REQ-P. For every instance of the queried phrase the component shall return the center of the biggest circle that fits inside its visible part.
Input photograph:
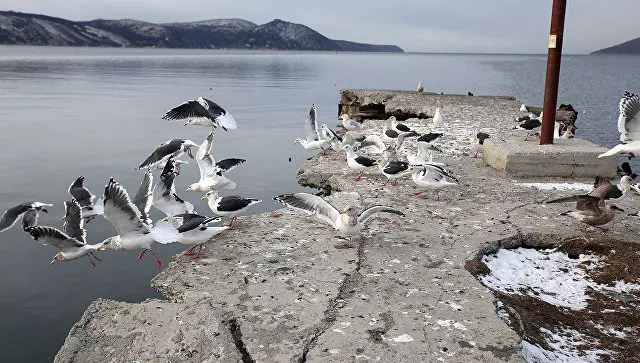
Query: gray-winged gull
(133, 232)
(28, 211)
(350, 124)
(85, 198)
(72, 242)
(202, 112)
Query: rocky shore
(283, 287)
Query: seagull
(195, 232)
(394, 170)
(85, 199)
(433, 177)
(390, 134)
(164, 194)
(173, 148)
(356, 162)
(424, 155)
(478, 141)
(569, 133)
(420, 89)
(143, 200)
(628, 126)
(374, 144)
(313, 139)
(28, 211)
(347, 221)
(178, 163)
(523, 108)
(429, 137)
(625, 169)
(399, 127)
(133, 232)
(529, 125)
(350, 124)
(610, 191)
(71, 242)
(437, 118)
(210, 173)
(231, 206)
(202, 112)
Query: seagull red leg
(156, 258)
(90, 260)
(94, 256)
(141, 255)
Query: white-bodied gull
(312, 139)
(202, 112)
(210, 173)
(433, 177)
(230, 206)
(173, 148)
(165, 197)
(195, 231)
(350, 124)
(357, 162)
(628, 126)
(133, 232)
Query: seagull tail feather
(227, 121)
(165, 233)
(98, 207)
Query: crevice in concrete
(345, 291)
(232, 324)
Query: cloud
(488, 26)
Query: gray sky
(484, 26)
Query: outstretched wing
(311, 126)
(80, 193)
(143, 198)
(73, 222)
(629, 119)
(189, 109)
(370, 212)
(165, 197)
(311, 204)
(121, 212)
(225, 165)
(204, 159)
(162, 152)
(11, 215)
(54, 237)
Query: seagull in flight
(628, 126)
(28, 211)
(173, 148)
(202, 112)
(313, 139)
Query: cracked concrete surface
(283, 287)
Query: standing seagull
(628, 126)
(230, 206)
(356, 162)
(350, 124)
(210, 174)
(478, 142)
(71, 242)
(133, 232)
(85, 199)
(28, 211)
(347, 221)
(437, 118)
(173, 148)
(420, 89)
(433, 177)
(313, 140)
(195, 231)
(202, 112)
(164, 194)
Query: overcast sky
(484, 26)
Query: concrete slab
(563, 159)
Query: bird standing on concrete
(350, 124)
(357, 162)
(420, 89)
(433, 177)
(478, 142)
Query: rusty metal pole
(553, 71)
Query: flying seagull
(628, 126)
(71, 242)
(85, 198)
(164, 194)
(28, 211)
(133, 232)
(210, 172)
(202, 112)
(173, 148)
(347, 221)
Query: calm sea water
(96, 112)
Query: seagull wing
(80, 193)
(204, 159)
(373, 140)
(189, 109)
(165, 197)
(311, 204)
(121, 212)
(142, 200)
(311, 126)
(370, 212)
(54, 237)
(11, 215)
(73, 222)
(227, 164)
(220, 115)
(162, 152)
(629, 119)
(437, 170)
(192, 221)
(602, 190)
(29, 219)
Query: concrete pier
(283, 287)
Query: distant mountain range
(630, 47)
(34, 29)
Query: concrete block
(564, 158)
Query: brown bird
(591, 209)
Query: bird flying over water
(85, 198)
(173, 148)
(202, 112)
(28, 211)
(628, 126)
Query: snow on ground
(564, 345)
(559, 186)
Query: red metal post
(553, 71)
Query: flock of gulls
(135, 231)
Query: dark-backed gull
(202, 112)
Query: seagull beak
(203, 197)
(99, 247)
(342, 211)
(52, 261)
(158, 146)
(295, 142)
